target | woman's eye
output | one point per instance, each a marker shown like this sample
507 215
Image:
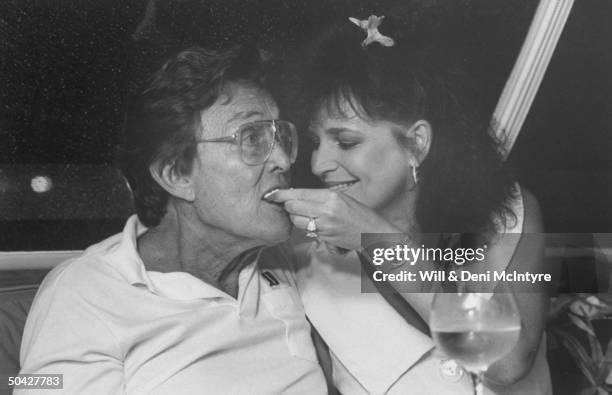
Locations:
346 144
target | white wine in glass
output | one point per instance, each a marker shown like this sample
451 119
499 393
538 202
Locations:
475 329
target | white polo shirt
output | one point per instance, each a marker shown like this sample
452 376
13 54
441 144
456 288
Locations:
109 326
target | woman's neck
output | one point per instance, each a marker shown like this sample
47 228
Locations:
402 214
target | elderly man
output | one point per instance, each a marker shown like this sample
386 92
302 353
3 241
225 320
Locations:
185 300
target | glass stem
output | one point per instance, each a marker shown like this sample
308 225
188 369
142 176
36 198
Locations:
478 379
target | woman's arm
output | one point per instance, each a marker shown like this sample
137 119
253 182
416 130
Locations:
533 306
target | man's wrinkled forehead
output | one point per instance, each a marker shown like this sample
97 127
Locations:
238 104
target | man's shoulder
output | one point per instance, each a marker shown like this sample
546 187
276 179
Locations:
81 273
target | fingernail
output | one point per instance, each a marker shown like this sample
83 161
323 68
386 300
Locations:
272 192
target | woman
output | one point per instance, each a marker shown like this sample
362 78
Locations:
185 300
398 152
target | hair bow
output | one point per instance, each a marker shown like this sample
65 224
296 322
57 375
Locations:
370 26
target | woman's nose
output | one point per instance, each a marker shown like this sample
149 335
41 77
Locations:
322 161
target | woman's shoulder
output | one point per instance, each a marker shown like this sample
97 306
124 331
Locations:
522 219
522 213
532 220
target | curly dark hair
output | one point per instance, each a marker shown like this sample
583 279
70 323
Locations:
163 116
463 183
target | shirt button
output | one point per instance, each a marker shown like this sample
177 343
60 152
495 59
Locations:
450 370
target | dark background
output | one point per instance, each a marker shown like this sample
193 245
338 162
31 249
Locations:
66 66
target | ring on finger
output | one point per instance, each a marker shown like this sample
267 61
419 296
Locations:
311 228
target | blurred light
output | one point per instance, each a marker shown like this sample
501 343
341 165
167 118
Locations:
41 184
4 183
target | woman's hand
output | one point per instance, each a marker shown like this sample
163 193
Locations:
340 219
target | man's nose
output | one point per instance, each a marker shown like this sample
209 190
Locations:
279 158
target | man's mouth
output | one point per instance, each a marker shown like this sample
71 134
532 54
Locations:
269 192
340 185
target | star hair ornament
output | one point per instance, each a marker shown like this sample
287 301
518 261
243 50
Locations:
370 26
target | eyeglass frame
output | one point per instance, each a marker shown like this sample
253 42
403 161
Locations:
234 138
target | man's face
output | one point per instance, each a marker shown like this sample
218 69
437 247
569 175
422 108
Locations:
228 192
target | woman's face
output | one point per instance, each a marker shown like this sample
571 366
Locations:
362 158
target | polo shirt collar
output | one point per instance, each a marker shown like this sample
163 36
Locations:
124 257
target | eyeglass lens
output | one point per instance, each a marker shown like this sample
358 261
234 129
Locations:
255 142
288 140
257 139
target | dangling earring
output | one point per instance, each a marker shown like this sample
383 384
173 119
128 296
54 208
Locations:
415 176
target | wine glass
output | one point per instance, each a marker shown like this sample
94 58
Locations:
475 329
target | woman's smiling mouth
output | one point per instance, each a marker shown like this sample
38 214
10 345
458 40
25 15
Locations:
340 186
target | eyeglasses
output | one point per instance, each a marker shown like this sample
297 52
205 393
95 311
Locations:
256 140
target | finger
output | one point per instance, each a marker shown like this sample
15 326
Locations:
282 195
304 208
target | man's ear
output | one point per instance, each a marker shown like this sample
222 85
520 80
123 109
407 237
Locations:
419 134
177 183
